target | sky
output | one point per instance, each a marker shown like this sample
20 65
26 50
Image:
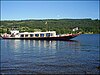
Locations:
22 10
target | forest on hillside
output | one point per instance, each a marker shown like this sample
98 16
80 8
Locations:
61 26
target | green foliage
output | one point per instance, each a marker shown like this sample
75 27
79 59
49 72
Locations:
61 26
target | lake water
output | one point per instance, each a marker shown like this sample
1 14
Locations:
79 56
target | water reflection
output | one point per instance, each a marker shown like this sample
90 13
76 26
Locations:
16 44
38 53
75 45
25 45
39 48
52 44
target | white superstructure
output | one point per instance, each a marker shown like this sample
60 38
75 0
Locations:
16 33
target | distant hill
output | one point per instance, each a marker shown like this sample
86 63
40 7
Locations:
61 26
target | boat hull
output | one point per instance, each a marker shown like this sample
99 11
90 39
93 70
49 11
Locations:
44 38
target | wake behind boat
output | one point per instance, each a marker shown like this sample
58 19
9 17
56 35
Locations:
48 35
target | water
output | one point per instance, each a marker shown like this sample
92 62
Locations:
79 56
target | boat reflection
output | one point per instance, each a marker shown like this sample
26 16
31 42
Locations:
74 45
45 44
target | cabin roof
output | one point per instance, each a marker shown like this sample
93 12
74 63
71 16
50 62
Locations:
38 32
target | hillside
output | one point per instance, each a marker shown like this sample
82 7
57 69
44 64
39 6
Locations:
59 25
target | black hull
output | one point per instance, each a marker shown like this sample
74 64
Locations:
43 38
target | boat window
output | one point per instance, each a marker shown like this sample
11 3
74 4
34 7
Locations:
51 34
31 35
41 35
37 35
48 34
17 33
26 35
22 35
